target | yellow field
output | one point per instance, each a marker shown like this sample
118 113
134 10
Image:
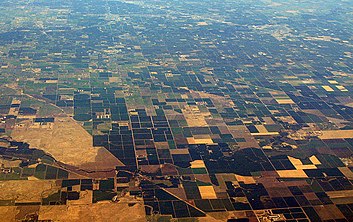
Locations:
328 88
285 101
292 173
207 192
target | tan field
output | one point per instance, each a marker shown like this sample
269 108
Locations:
105 211
346 172
67 142
194 117
27 190
245 179
336 134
